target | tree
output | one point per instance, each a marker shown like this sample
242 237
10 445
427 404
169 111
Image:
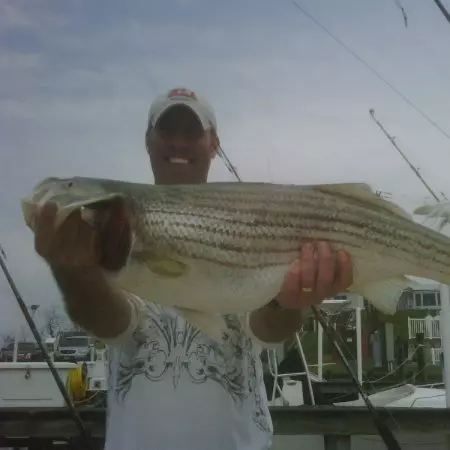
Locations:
54 319
6 339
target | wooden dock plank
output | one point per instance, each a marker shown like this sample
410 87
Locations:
304 420
350 421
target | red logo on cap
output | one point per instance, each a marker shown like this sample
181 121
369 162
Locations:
181 92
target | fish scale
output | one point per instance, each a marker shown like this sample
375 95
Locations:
221 248
241 224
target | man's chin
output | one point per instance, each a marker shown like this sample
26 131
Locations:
184 175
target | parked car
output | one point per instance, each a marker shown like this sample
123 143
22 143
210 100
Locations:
73 346
26 351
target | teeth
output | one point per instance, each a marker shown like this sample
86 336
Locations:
178 161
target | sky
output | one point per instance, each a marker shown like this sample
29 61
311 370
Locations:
77 79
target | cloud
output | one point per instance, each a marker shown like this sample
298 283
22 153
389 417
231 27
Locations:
23 15
78 79
18 62
13 16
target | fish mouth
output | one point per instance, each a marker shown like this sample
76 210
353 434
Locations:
112 219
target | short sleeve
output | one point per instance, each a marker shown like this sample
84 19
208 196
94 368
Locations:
245 321
137 308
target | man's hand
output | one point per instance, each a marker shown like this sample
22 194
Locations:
73 252
315 276
74 245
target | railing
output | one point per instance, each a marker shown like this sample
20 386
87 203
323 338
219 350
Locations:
40 428
436 354
429 326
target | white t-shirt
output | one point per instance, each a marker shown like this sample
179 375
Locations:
173 388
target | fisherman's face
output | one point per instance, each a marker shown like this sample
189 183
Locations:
180 150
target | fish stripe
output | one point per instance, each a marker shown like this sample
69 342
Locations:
196 246
255 223
381 235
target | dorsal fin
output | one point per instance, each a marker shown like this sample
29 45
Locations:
364 193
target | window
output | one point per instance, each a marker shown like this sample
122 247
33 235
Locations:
418 299
78 341
22 346
427 299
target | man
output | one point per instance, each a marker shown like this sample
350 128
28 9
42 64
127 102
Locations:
170 386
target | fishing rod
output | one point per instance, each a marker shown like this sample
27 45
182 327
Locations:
384 431
400 7
84 434
445 294
443 10
232 169
371 69
392 141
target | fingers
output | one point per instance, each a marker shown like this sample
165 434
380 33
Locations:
335 272
74 243
344 277
77 243
326 270
317 274
318 268
299 286
290 289
309 265
44 226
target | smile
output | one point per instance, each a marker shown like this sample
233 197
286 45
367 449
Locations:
179 160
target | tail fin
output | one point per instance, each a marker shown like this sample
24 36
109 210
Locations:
440 212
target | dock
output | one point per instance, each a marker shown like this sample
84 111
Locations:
334 427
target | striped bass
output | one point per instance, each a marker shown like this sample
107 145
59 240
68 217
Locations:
220 248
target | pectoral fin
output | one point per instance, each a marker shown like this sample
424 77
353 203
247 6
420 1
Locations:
168 268
161 265
211 324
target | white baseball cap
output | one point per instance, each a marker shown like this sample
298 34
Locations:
183 96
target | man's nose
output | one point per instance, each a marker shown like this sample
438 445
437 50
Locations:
177 141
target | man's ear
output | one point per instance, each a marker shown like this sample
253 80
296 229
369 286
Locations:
215 144
147 138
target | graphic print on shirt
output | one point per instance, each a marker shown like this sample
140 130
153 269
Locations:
165 345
